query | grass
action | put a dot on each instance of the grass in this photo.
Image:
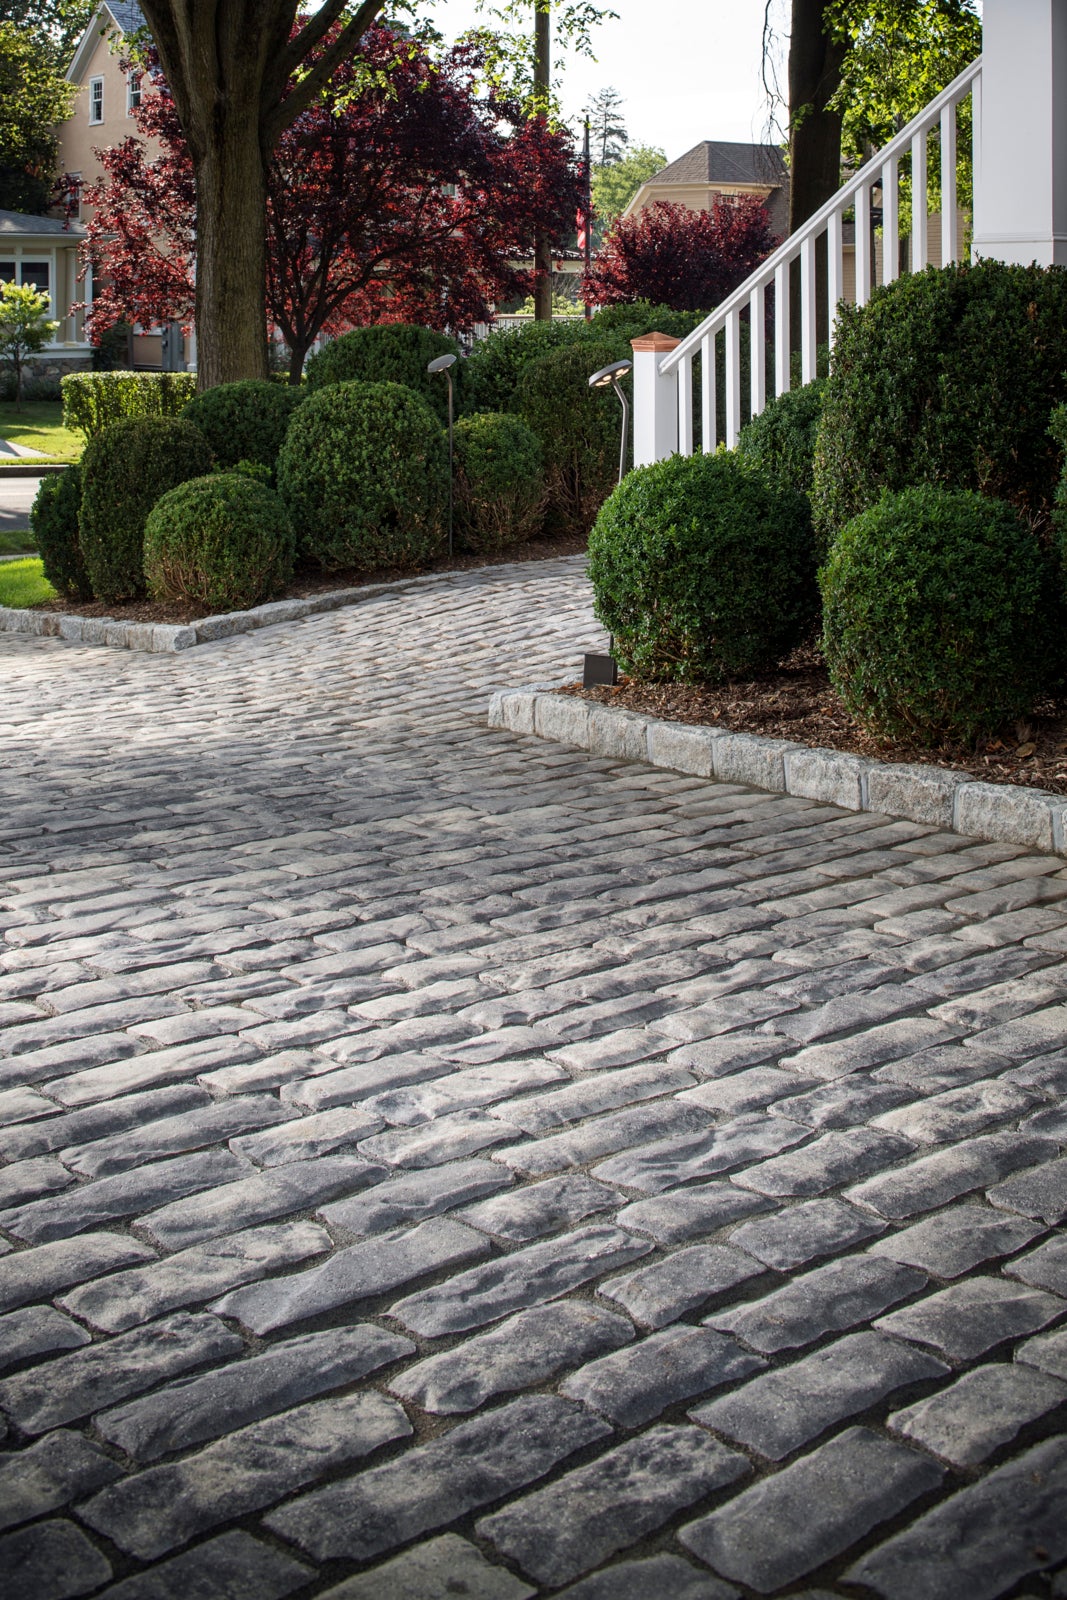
(39, 426)
(23, 583)
(15, 542)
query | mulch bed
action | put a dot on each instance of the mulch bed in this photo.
(799, 703)
(310, 580)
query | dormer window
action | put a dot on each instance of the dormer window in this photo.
(133, 90)
(96, 101)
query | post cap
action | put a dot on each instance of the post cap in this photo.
(659, 343)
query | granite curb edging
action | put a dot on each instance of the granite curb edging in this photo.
(167, 638)
(935, 796)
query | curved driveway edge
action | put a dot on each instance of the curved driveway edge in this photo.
(936, 796)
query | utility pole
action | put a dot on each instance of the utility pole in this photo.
(542, 75)
(585, 235)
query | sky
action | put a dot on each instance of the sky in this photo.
(687, 69)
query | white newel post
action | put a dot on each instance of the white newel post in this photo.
(655, 400)
(1020, 203)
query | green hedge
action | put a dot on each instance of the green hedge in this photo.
(125, 470)
(54, 524)
(93, 400)
(703, 569)
(244, 421)
(945, 377)
(492, 370)
(579, 430)
(364, 473)
(500, 481)
(394, 352)
(781, 440)
(940, 618)
(222, 542)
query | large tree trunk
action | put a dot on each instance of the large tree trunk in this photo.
(815, 61)
(231, 254)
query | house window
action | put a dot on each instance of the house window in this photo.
(7, 272)
(133, 90)
(96, 100)
(37, 273)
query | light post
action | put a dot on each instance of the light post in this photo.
(604, 669)
(445, 364)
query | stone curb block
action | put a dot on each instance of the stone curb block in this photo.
(933, 796)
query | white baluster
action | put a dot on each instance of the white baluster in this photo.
(950, 233)
(863, 245)
(733, 378)
(919, 251)
(808, 329)
(707, 392)
(976, 152)
(685, 406)
(781, 328)
(890, 225)
(835, 271)
(757, 325)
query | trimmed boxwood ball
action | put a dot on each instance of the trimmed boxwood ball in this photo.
(54, 524)
(125, 470)
(223, 542)
(496, 363)
(500, 483)
(579, 430)
(394, 352)
(939, 615)
(244, 421)
(703, 569)
(947, 377)
(781, 440)
(364, 473)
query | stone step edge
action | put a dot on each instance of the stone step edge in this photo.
(934, 796)
(163, 638)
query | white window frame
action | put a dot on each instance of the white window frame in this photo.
(96, 102)
(133, 90)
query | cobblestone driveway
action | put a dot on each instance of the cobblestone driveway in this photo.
(442, 1164)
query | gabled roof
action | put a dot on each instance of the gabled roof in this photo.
(20, 223)
(122, 15)
(720, 161)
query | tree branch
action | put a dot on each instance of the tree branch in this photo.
(285, 111)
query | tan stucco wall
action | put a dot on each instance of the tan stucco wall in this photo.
(79, 139)
(696, 196)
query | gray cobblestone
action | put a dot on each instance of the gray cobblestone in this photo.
(958, 1113)
(826, 1163)
(124, 1195)
(172, 1135)
(618, 1130)
(1043, 1268)
(633, 1385)
(49, 1474)
(801, 1234)
(666, 1163)
(589, 1097)
(414, 1196)
(957, 1239)
(95, 1122)
(668, 1290)
(436, 1570)
(539, 1208)
(1040, 1192)
(233, 1566)
(37, 1331)
(936, 1179)
(1048, 1351)
(655, 1575)
(980, 1412)
(972, 1317)
(37, 1274)
(51, 1561)
(830, 1299)
(948, 1066)
(684, 1214)
(278, 1192)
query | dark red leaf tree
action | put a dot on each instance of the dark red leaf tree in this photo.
(688, 260)
(402, 193)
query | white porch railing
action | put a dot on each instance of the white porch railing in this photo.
(663, 383)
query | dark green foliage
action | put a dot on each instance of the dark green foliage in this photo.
(125, 469)
(500, 482)
(939, 615)
(395, 352)
(221, 543)
(364, 472)
(1058, 430)
(493, 368)
(244, 421)
(945, 377)
(579, 430)
(703, 569)
(54, 524)
(92, 400)
(638, 317)
(781, 440)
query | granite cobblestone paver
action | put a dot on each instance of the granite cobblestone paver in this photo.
(434, 1160)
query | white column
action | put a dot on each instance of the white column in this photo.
(655, 400)
(1021, 192)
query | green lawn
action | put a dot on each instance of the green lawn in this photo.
(39, 426)
(14, 543)
(23, 583)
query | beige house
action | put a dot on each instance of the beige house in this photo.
(43, 251)
(717, 167)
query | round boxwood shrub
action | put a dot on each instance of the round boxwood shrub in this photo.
(500, 481)
(364, 473)
(939, 616)
(781, 440)
(222, 543)
(579, 430)
(244, 421)
(54, 524)
(945, 377)
(125, 469)
(703, 569)
(636, 317)
(395, 352)
(492, 370)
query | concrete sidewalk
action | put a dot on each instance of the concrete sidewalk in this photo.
(439, 1162)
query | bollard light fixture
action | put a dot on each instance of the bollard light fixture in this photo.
(598, 670)
(445, 364)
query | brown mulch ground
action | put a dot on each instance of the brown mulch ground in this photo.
(309, 580)
(799, 703)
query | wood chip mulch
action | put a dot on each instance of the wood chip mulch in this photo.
(799, 703)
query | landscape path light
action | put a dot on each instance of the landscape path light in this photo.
(445, 364)
(604, 669)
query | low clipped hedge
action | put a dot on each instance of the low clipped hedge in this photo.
(492, 370)
(244, 421)
(54, 524)
(222, 542)
(781, 440)
(703, 569)
(125, 470)
(940, 618)
(579, 430)
(364, 473)
(500, 481)
(92, 401)
(394, 352)
(945, 377)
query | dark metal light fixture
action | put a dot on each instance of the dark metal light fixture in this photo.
(445, 364)
(600, 670)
